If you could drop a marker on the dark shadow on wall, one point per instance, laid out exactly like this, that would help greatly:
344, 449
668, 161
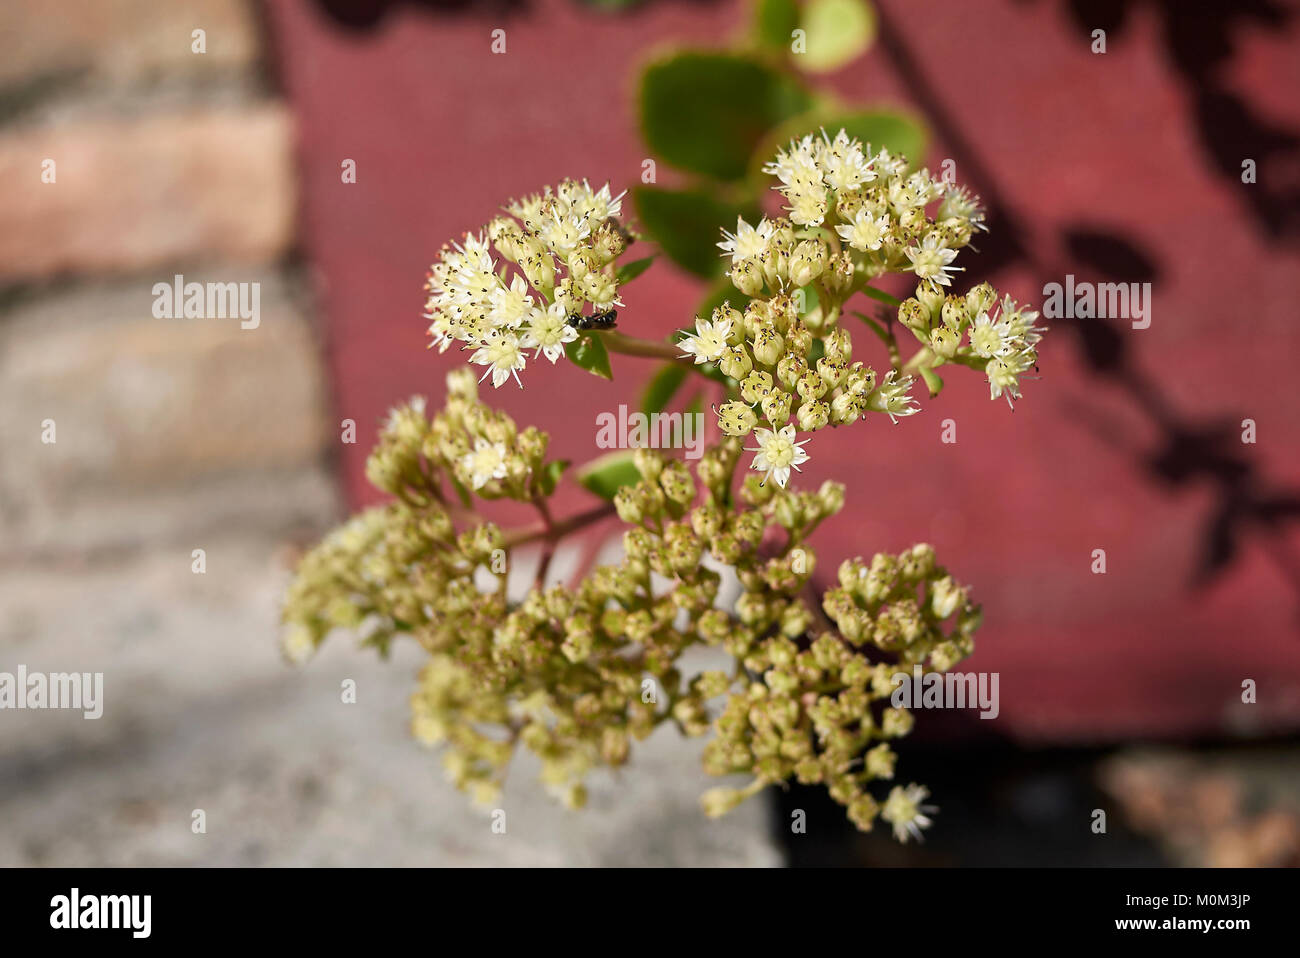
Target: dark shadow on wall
1200, 40
1189, 451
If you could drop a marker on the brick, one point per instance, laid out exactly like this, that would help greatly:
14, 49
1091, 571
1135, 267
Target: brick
133, 193
122, 40
162, 425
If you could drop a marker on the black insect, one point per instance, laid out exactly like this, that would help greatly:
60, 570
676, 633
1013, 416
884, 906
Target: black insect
605, 320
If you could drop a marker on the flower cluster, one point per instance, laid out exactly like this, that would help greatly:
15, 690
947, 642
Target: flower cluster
578, 672
975, 330
854, 215
562, 244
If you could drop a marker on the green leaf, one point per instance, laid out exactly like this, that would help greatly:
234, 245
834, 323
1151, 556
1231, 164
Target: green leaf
607, 474
899, 132
687, 225
837, 31
588, 352
775, 22
706, 112
550, 477
881, 296
661, 388
932, 380
630, 271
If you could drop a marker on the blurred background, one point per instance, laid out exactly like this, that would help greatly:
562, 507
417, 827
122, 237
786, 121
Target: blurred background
1120, 692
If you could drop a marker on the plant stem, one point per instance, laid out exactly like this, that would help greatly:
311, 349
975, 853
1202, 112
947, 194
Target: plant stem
617, 342
557, 530
922, 357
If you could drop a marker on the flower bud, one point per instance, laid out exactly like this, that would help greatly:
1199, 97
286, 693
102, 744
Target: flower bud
767, 346
807, 262
736, 419
980, 299
954, 313
944, 342
931, 298
776, 408
608, 243
756, 387
774, 264
946, 596
798, 339
914, 315
600, 288
582, 262
790, 368
810, 386
726, 313
735, 362
814, 415
840, 273
830, 496
747, 276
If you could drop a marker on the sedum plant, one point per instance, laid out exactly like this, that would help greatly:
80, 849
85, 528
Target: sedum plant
578, 671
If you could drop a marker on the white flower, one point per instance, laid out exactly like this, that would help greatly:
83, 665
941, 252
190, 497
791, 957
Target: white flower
989, 339
843, 162
1004, 373
808, 204
930, 260
485, 462
866, 232
748, 240
961, 204
500, 354
802, 183
593, 207
778, 453
903, 810
796, 165
709, 341
548, 331
510, 306
891, 397
889, 164
563, 233
1020, 323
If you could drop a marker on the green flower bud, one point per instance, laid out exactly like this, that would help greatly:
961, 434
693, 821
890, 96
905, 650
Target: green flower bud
914, 316
813, 415
747, 276
980, 299
756, 387
767, 345
944, 342
735, 362
954, 314
789, 369
807, 262
776, 408
736, 419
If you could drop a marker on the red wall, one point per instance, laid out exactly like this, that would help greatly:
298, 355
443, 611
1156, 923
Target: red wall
1124, 164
